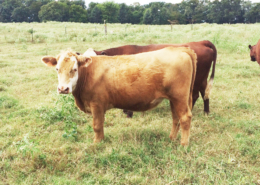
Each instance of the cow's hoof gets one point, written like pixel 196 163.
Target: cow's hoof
pixel 186 144
pixel 130 114
pixel 206 113
pixel 98 140
pixel 173 138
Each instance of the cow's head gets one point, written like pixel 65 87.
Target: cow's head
pixel 252 52
pixel 67 65
pixel 103 53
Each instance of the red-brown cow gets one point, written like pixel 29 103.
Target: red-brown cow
pixel 255 52
pixel 133 82
pixel 206 53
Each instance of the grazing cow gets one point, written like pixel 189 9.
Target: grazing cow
pixel 133 82
pixel 206 53
pixel 255 52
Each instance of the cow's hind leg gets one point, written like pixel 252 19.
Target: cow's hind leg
pixel 128 113
pixel 205 99
pixel 175 125
pixel 184 114
pixel 195 96
pixel 98 121
pixel 206 103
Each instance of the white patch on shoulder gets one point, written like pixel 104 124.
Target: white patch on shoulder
pixel 89 52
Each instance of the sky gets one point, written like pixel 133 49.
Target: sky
pixel 142 2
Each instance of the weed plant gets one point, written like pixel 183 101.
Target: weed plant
pixel 45 139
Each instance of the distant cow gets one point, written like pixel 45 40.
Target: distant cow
pixel 133 82
pixel 206 54
pixel 255 52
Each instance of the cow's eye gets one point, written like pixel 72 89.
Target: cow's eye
pixel 75 70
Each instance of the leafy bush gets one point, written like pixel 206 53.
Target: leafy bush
pixel 64 111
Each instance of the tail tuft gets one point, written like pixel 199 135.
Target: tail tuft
pixel 208 89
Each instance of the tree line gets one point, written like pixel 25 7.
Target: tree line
pixel 188 11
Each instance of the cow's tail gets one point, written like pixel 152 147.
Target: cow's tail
pixel 193 56
pixel 210 83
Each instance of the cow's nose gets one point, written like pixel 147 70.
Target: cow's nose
pixel 61 90
pixel 66 90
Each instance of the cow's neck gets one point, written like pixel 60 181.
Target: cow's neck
pixel 82 83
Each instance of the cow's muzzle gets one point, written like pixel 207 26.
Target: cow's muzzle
pixel 253 59
pixel 62 90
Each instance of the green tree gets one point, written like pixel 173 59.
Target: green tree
pixel 164 15
pixel 77 14
pixel 96 15
pixel 215 12
pixel 6 9
pixel 90 8
pixel 123 14
pixel 109 11
pixel 136 12
pixel 155 13
pixel 175 13
pixel 74 2
pixel 147 19
pixel 54 11
pixel 21 14
pixel 231 11
pixel 253 15
pixel 34 7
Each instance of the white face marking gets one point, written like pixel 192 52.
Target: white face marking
pixel 63 77
pixel 89 52
pixel 74 80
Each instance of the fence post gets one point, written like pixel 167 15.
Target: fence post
pixel 105 27
pixel 32 34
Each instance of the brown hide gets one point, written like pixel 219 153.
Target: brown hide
pixel 139 83
pixel 206 54
pixel 255 52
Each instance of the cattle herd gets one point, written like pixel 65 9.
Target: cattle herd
pixel 138 78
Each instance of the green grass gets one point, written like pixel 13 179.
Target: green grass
pixel 45 139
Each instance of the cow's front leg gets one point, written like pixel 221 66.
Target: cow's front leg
pixel 98 121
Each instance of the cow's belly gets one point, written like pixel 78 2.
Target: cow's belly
pixel 142 106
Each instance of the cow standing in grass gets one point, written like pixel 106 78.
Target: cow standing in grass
pixel 255 52
pixel 206 54
pixel 134 82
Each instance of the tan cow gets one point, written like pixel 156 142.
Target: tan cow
pixel 133 82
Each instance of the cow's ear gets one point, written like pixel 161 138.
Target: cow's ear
pixel 49 61
pixel 250 46
pixel 84 61
pixel 103 53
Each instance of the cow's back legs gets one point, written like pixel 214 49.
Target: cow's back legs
pixel 205 101
pixel 98 121
pixel 175 125
pixel 183 112
pixel 195 96
pixel 128 113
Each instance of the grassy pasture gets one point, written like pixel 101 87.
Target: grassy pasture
pixel 45 139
